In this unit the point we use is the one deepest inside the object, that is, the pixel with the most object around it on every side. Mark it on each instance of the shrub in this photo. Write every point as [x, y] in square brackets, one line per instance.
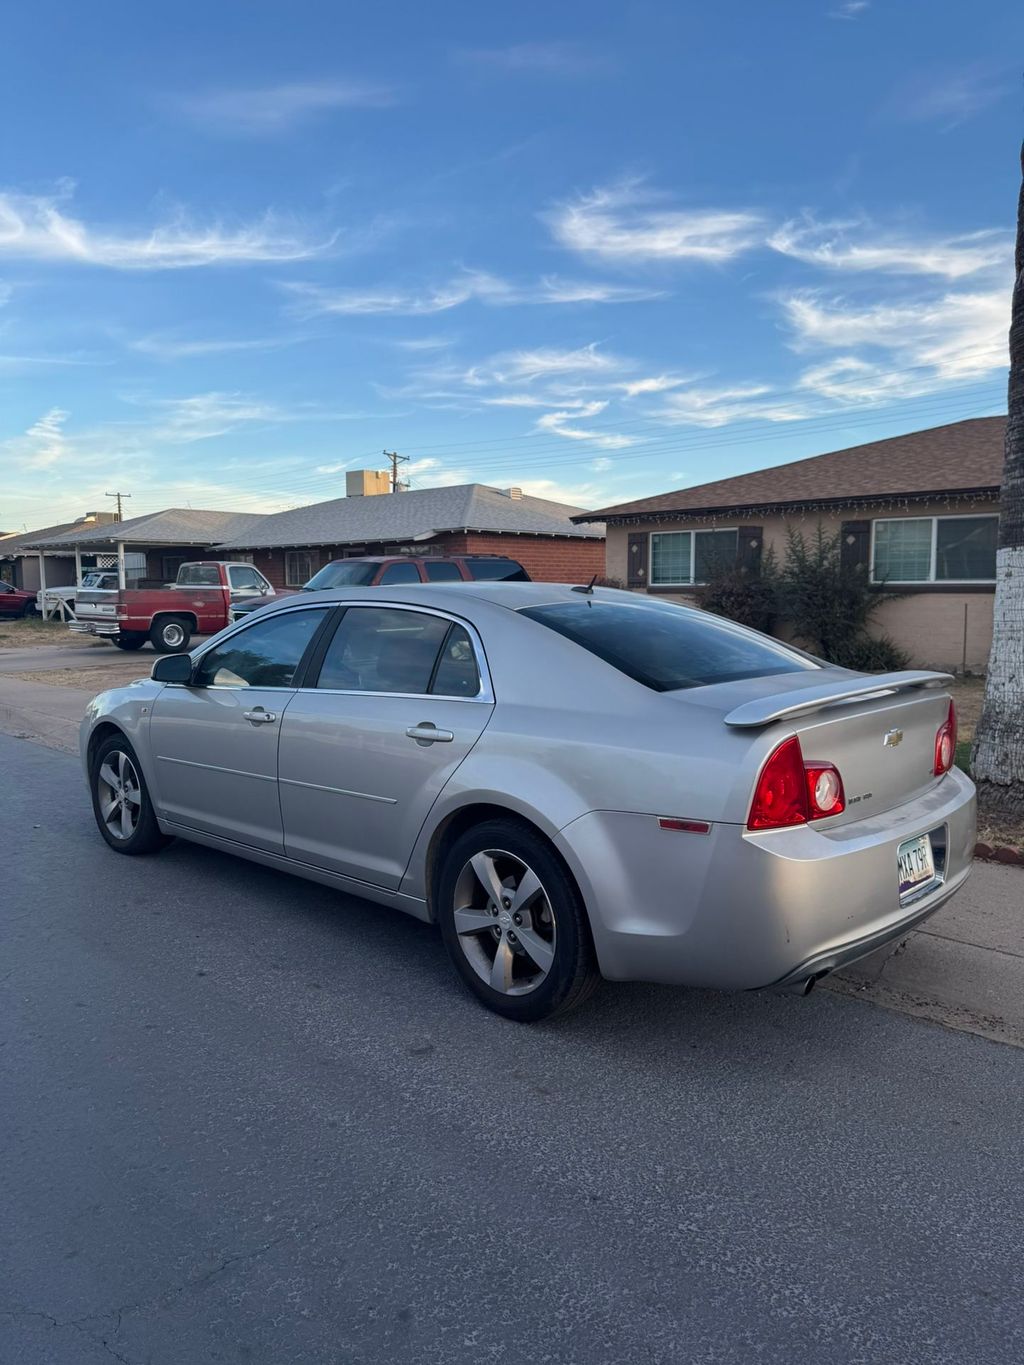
[744, 596]
[829, 604]
[868, 654]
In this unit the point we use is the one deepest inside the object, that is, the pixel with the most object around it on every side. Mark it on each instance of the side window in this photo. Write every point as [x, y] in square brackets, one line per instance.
[504, 570]
[442, 571]
[245, 578]
[266, 654]
[380, 649]
[456, 674]
[399, 573]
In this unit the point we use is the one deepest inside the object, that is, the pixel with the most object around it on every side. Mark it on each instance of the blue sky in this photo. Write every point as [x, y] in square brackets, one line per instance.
[597, 250]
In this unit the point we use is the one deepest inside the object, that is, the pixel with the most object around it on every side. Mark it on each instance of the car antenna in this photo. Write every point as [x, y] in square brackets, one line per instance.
[589, 589]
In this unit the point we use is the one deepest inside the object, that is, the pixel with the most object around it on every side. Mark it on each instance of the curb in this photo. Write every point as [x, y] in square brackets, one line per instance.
[999, 853]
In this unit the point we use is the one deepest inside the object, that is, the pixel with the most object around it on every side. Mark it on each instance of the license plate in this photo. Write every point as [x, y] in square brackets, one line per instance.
[916, 863]
[98, 609]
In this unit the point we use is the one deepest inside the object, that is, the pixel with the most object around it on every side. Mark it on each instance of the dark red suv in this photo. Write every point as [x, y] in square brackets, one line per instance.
[14, 602]
[383, 571]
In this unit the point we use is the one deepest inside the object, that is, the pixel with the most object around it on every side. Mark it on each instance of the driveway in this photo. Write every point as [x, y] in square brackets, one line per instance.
[247, 1119]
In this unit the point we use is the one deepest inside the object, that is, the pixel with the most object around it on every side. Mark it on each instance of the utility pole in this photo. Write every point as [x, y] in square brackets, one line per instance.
[118, 496]
[394, 460]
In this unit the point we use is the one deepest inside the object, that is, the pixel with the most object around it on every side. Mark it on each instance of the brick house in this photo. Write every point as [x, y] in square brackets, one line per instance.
[918, 513]
[289, 547]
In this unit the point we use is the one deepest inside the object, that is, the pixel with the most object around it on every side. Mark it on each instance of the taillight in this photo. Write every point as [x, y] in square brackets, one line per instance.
[945, 743]
[791, 791]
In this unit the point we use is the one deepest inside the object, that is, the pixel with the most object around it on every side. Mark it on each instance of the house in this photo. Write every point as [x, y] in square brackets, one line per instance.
[20, 565]
[918, 513]
[141, 548]
[289, 547]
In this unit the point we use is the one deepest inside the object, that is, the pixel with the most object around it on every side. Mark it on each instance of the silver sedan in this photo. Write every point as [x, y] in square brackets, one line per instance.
[570, 783]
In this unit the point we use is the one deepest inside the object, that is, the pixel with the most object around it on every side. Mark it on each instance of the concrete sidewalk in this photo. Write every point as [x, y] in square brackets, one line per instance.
[964, 968]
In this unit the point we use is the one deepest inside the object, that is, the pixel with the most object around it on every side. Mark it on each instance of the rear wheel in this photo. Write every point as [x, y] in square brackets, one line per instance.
[130, 639]
[170, 634]
[514, 924]
[120, 799]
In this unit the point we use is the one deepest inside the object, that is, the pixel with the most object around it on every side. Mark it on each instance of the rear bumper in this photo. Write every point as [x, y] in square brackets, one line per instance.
[106, 628]
[741, 911]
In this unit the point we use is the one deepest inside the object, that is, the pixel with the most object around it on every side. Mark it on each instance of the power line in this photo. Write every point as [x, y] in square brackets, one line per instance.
[394, 460]
[118, 496]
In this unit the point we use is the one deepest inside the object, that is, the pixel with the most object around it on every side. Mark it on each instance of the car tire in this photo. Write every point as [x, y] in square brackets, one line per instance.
[120, 799]
[129, 639]
[514, 923]
[170, 634]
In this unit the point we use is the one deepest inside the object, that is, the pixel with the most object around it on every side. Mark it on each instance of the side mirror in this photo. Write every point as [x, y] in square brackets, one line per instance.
[172, 668]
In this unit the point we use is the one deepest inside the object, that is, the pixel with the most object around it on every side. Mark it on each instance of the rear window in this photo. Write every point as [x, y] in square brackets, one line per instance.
[351, 574]
[665, 647]
[505, 570]
[199, 575]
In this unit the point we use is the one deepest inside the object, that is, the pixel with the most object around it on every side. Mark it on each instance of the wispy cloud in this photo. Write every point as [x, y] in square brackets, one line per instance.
[658, 383]
[629, 223]
[181, 421]
[846, 246]
[562, 424]
[180, 348]
[849, 9]
[44, 443]
[535, 59]
[39, 228]
[313, 300]
[277, 108]
[717, 407]
[949, 97]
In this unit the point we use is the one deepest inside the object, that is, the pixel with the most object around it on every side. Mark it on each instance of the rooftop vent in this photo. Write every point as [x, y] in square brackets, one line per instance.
[515, 493]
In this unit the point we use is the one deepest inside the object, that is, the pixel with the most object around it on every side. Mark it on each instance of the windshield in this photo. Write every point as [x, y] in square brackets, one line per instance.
[667, 647]
[352, 573]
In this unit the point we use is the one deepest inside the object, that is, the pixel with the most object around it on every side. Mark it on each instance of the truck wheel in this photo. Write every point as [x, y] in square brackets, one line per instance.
[170, 635]
[130, 639]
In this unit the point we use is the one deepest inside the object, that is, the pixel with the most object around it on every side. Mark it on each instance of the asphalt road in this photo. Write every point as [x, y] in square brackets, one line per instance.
[244, 1119]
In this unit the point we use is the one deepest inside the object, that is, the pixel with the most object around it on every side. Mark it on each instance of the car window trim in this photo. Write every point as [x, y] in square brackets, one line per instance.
[485, 694]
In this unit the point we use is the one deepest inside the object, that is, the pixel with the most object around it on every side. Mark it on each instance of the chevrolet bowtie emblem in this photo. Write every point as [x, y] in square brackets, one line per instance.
[891, 738]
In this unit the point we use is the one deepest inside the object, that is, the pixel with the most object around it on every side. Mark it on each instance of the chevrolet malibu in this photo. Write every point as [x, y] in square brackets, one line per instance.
[571, 783]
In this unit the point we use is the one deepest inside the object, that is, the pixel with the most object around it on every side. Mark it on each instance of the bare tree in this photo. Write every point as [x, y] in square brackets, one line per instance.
[998, 758]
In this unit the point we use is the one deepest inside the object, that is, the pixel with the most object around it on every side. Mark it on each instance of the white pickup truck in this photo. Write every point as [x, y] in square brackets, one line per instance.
[49, 600]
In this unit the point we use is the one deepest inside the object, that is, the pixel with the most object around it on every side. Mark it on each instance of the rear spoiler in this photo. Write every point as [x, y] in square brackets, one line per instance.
[787, 705]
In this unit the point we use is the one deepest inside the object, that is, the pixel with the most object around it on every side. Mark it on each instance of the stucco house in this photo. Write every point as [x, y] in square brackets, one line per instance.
[918, 513]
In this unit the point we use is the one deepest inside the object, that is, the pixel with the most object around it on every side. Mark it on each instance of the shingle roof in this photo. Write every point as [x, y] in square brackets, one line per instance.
[18, 544]
[415, 515]
[959, 457]
[175, 526]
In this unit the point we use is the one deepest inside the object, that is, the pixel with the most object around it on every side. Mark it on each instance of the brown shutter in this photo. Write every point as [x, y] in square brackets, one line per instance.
[749, 545]
[855, 545]
[636, 559]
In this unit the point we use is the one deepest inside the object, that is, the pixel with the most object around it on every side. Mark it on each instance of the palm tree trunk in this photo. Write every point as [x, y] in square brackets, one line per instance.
[998, 758]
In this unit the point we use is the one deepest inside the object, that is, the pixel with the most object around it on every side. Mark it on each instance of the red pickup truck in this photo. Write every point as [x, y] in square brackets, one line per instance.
[197, 603]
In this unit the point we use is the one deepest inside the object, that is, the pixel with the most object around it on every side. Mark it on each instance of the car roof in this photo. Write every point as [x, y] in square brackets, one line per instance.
[466, 598]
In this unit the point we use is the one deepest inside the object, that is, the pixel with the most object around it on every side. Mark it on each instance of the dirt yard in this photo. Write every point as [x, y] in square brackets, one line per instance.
[28, 631]
[116, 673]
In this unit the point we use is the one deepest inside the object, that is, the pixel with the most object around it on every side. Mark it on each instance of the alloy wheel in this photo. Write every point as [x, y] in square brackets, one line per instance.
[504, 922]
[120, 794]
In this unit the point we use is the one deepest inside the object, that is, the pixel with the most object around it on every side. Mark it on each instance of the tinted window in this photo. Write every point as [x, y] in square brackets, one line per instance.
[505, 569]
[456, 674]
[244, 578]
[442, 571]
[353, 573]
[380, 649]
[399, 573]
[266, 654]
[199, 575]
[965, 547]
[666, 647]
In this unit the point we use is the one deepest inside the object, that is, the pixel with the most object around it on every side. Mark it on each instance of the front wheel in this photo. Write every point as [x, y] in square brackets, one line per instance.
[120, 799]
[170, 635]
[514, 924]
[130, 639]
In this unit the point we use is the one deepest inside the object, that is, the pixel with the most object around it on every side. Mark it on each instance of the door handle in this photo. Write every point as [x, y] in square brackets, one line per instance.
[428, 733]
[260, 717]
